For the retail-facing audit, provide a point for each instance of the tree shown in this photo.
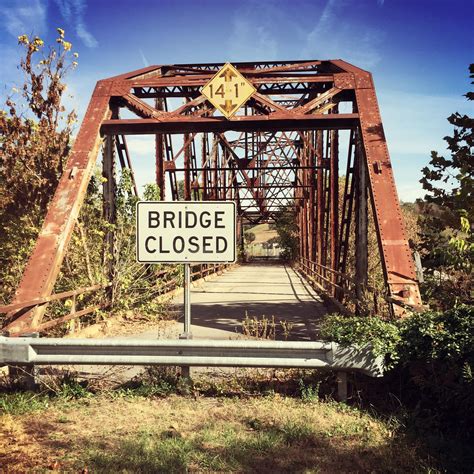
(35, 136)
(287, 229)
(249, 237)
(35, 131)
(447, 215)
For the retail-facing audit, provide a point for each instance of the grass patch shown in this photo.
(144, 452)
(282, 437)
(179, 434)
(20, 403)
(245, 421)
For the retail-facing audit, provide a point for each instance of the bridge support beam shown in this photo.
(109, 210)
(361, 226)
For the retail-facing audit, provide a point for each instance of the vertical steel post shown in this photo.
(109, 209)
(186, 369)
(187, 168)
(159, 156)
(204, 150)
(187, 302)
(320, 204)
(311, 200)
(334, 200)
(215, 164)
(361, 225)
(341, 386)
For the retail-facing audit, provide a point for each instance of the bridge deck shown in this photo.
(220, 305)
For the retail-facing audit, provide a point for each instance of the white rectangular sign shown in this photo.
(186, 232)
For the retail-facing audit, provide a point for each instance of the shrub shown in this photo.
(383, 336)
(429, 361)
(439, 336)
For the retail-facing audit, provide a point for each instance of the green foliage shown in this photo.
(155, 382)
(428, 336)
(430, 356)
(439, 336)
(249, 237)
(35, 130)
(20, 403)
(35, 133)
(309, 392)
(382, 336)
(450, 181)
(69, 388)
(447, 241)
(151, 192)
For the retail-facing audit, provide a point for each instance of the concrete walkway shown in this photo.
(219, 306)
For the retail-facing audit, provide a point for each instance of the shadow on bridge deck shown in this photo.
(219, 306)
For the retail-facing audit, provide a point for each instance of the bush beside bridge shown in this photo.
(429, 362)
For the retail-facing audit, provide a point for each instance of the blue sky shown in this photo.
(418, 52)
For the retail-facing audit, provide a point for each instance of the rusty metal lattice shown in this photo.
(281, 150)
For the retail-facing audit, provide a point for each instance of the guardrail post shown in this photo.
(341, 386)
(26, 374)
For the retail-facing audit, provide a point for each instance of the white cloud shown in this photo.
(73, 13)
(252, 36)
(335, 37)
(416, 123)
(146, 63)
(19, 17)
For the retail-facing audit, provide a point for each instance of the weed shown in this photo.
(66, 386)
(309, 393)
(147, 452)
(296, 432)
(263, 328)
(154, 382)
(19, 403)
(286, 327)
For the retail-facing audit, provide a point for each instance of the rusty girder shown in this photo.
(280, 151)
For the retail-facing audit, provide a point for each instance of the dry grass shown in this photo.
(263, 233)
(179, 434)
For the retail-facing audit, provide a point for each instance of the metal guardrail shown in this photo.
(204, 353)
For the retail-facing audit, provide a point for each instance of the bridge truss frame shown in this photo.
(284, 154)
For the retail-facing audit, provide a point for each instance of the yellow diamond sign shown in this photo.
(228, 90)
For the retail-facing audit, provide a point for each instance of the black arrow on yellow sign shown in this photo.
(228, 74)
(229, 106)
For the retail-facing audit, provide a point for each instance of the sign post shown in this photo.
(186, 232)
(187, 334)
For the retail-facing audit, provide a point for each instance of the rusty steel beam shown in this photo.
(397, 259)
(44, 264)
(334, 200)
(186, 124)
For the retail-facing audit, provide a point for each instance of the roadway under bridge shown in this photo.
(258, 291)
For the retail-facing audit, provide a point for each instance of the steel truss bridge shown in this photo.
(309, 126)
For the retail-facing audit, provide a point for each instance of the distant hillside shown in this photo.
(263, 233)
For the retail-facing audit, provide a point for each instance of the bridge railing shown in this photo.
(167, 281)
(330, 280)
